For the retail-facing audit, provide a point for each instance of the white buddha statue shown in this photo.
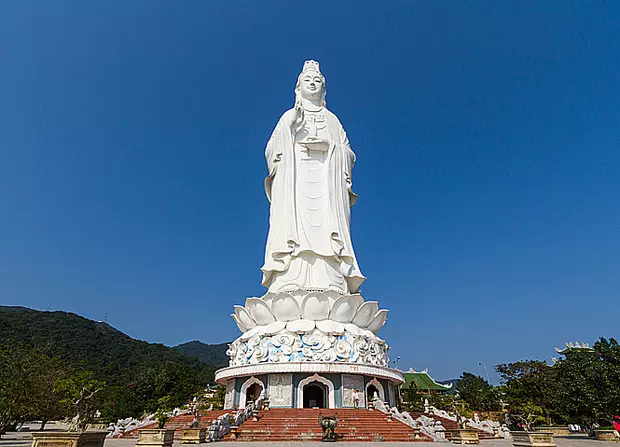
(309, 187)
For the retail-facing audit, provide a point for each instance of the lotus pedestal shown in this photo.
(308, 349)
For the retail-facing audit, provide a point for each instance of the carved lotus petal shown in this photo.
(272, 328)
(249, 334)
(330, 327)
(259, 310)
(378, 321)
(300, 326)
(285, 307)
(344, 308)
(332, 295)
(268, 298)
(244, 318)
(365, 312)
(315, 306)
(358, 297)
(240, 325)
(299, 296)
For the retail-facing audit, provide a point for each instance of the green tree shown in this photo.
(12, 403)
(608, 385)
(528, 384)
(29, 386)
(84, 396)
(587, 383)
(477, 393)
(413, 400)
(177, 383)
(527, 414)
(45, 386)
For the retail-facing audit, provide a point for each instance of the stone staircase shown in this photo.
(285, 424)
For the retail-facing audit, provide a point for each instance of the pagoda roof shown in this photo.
(574, 346)
(423, 381)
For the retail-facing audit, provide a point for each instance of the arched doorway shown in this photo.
(324, 395)
(370, 392)
(250, 391)
(372, 387)
(314, 395)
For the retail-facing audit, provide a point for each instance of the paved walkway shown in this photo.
(24, 440)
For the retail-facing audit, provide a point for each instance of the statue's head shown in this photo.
(311, 83)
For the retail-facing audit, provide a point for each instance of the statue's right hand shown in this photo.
(298, 116)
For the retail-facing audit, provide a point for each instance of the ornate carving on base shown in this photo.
(315, 346)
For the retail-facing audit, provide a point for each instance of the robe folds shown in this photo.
(283, 240)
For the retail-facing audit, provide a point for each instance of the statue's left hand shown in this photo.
(314, 144)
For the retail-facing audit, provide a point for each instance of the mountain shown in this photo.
(212, 354)
(77, 339)
(137, 374)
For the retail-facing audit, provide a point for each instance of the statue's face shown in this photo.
(311, 85)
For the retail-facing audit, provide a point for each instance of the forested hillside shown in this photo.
(137, 374)
(212, 354)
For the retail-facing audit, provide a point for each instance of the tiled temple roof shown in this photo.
(423, 381)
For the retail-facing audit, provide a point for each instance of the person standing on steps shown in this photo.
(356, 398)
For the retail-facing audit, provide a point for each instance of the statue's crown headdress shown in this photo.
(311, 66)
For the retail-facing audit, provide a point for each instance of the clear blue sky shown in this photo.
(487, 134)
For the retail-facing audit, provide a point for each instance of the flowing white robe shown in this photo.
(309, 246)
